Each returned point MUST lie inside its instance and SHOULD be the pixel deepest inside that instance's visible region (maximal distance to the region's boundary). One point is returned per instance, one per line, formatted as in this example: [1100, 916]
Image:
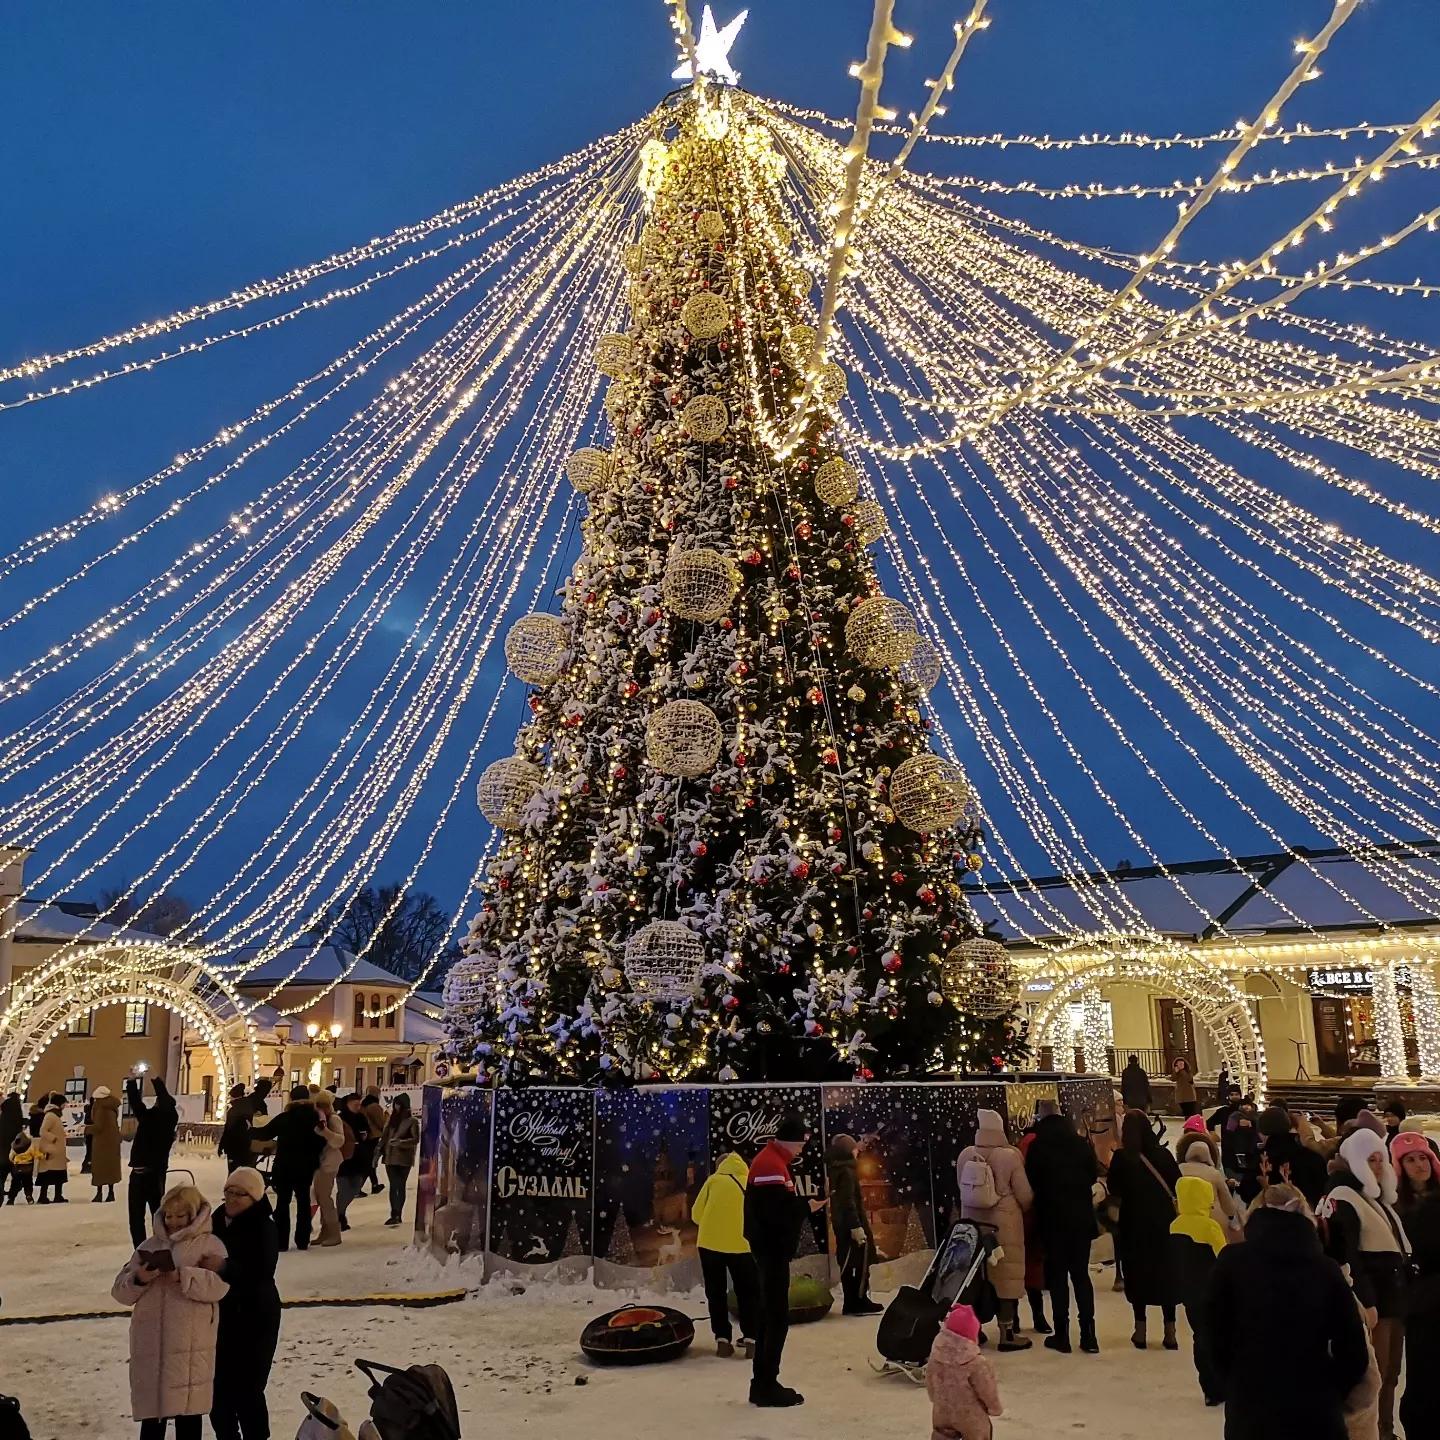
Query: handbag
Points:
[1162, 1183]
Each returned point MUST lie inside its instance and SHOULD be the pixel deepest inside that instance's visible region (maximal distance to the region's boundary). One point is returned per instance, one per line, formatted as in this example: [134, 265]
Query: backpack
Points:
[977, 1185]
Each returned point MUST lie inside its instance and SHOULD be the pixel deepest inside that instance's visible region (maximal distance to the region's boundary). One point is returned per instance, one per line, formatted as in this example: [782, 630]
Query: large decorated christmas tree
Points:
[728, 846]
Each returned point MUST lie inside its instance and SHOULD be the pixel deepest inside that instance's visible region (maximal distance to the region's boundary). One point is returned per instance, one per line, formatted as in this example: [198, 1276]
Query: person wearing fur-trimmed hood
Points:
[1365, 1234]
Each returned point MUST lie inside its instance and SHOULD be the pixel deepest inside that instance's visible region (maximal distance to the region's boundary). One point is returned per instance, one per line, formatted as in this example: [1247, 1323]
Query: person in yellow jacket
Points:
[725, 1257]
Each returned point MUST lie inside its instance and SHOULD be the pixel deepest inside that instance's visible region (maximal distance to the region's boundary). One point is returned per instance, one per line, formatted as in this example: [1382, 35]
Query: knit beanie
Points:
[1194, 1125]
[1411, 1142]
[252, 1182]
[1369, 1120]
[963, 1321]
[792, 1128]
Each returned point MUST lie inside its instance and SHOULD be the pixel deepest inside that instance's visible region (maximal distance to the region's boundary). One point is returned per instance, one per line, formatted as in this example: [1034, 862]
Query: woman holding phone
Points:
[172, 1282]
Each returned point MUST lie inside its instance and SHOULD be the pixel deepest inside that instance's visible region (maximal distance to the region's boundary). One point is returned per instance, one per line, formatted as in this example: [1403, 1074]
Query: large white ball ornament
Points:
[663, 961]
[588, 469]
[683, 738]
[506, 788]
[928, 793]
[537, 647]
[880, 633]
[978, 978]
[832, 384]
[470, 983]
[699, 584]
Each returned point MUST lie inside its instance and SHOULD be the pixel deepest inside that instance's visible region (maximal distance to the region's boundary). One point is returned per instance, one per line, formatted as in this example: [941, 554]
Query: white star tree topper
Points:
[712, 50]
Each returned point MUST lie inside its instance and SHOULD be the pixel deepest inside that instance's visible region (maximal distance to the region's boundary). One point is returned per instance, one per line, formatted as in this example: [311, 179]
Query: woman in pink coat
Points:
[959, 1380]
[173, 1285]
[994, 1191]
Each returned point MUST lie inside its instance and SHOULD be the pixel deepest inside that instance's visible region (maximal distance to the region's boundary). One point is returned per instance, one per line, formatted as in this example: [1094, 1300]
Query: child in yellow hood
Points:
[725, 1258]
[1195, 1240]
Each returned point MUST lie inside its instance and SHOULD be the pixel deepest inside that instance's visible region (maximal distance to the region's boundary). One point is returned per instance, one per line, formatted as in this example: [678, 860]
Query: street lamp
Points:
[326, 1039]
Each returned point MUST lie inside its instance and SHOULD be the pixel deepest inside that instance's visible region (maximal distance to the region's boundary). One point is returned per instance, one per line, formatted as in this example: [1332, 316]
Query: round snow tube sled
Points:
[637, 1335]
[810, 1299]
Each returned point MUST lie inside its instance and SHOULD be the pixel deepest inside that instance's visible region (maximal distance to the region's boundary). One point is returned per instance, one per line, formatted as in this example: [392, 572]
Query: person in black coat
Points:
[155, 1127]
[235, 1137]
[297, 1156]
[1287, 1340]
[1062, 1170]
[1418, 1205]
[357, 1155]
[1284, 1160]
[250, 1311]
[1135, 1085]
[12, 1122]
[1142, 1179]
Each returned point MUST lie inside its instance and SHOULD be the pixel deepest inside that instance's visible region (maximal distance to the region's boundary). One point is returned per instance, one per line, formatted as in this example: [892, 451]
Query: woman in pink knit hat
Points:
[960, 1381]
[1418, 1203]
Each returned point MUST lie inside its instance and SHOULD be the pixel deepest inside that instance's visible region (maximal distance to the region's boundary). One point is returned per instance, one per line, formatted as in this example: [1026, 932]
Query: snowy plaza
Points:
[746, 724]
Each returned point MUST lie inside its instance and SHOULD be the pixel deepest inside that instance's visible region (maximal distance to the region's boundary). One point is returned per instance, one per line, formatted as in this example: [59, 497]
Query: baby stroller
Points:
[956, 1275]
[417, 1403]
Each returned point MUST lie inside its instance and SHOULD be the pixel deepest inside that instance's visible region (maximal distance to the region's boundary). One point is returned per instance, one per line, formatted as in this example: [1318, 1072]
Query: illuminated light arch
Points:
[45, 1004]
[1218, 1004]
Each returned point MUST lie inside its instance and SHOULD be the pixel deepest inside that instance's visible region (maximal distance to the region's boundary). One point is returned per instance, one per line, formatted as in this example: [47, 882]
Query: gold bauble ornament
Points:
[922, 669]
[699, 584]
[589, 469]
[832, 384]
[880, 633]
[506, 788]
[802, 337]
[683, 738]
[871, 523]
[705, 315]
[537, 647]
[470, 984]
[836, 482]
[979, 979]
[710, 225]
[615, 355]
[928, 793]
[705, 418]
[633, 258]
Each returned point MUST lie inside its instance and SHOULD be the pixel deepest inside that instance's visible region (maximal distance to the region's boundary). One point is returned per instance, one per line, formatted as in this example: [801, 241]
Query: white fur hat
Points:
[1356, 1150]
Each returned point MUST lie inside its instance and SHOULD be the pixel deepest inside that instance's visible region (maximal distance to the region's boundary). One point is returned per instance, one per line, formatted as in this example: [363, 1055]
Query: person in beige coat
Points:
[1199, 1157]
[174, 1317]
[104, 1142]
[994, 1190]
[52, 1168]
[323, 1188]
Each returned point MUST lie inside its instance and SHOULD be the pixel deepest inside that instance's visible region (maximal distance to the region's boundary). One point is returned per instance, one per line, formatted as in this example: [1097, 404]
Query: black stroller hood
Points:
[417, 1403]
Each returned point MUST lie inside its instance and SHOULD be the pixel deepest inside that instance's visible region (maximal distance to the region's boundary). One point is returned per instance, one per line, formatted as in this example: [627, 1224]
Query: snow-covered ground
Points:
[515, 1359]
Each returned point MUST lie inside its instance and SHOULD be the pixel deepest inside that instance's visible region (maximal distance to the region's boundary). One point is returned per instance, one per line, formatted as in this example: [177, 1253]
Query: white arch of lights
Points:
[44, 1005]
[1218, 1004]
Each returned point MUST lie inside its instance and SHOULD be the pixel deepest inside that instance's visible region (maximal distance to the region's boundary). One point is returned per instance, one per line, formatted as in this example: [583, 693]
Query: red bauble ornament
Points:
[727, 623]
[752, 557]
[699, 847]
[620, 772]
[926, 895]
[800, 869]
[838, 868]
[660, 817]
[732, 1002]
[891, 962]
[742, 759]
[836, 833]
[504, 882]
[829, 757]
[897, 877]
[631, 689]
[804, 530]
[731, 483]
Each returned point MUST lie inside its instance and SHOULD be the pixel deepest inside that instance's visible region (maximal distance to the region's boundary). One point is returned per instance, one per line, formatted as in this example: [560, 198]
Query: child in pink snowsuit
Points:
[960, 1382]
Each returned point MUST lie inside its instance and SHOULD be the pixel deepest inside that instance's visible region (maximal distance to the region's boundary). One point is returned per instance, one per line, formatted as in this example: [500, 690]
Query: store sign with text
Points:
[1349, 979]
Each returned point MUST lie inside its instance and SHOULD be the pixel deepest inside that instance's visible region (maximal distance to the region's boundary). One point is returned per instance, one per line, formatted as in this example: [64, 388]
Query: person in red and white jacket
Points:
[774, 1213]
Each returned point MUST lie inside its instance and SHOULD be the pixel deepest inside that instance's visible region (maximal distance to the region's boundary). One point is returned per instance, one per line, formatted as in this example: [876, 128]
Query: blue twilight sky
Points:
[163, 153]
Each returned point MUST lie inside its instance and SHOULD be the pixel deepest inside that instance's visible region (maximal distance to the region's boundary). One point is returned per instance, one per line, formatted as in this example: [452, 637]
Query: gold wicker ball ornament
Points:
[880, 633]
[683, 738]
[699, 584]
[802, 337]
[710, 225]
[928, 793]
[978, 978]
[615, 355]
[922, 669]
[836, 482]
[506, 788]
[663, 961]
[705, 418]
[870, 522]
[833, 384]
[537, 647]
[588, 469]
[705, 315]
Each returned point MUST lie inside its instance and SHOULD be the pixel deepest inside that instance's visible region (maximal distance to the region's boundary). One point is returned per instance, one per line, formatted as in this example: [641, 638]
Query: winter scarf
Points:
[1194, 1198]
